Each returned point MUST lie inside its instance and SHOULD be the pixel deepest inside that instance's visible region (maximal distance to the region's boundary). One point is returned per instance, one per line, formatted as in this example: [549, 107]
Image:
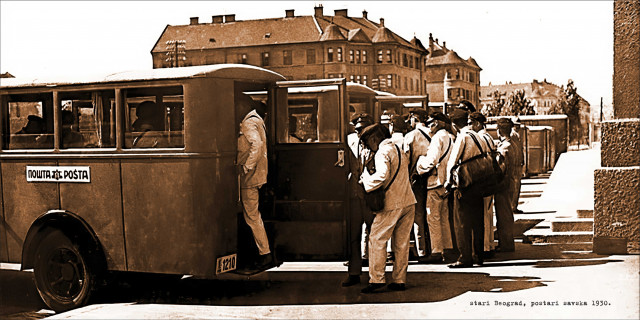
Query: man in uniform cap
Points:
[416, 143]
[468, 208]
[504, 209]
[395, 219]
[358, 213]
[477, 121]
[433, 167]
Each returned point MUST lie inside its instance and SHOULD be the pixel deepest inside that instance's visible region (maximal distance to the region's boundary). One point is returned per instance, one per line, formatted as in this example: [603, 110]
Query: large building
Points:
[449, 78]
[310, 47]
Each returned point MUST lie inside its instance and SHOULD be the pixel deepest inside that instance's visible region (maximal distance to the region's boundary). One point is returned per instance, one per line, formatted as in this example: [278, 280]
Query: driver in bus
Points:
[253, 163]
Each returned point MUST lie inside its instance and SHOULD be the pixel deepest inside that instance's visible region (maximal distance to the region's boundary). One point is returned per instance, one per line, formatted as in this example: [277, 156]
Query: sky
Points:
[515, 41]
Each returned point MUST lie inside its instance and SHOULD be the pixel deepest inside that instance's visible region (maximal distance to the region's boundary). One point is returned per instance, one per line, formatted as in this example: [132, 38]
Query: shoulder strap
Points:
[488, 142]
[425, 135]
[476, 141]
[446, 152]
[398, 169]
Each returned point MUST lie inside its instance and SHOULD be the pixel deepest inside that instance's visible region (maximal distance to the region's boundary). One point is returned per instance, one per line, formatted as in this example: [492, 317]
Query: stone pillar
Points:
[617, 183]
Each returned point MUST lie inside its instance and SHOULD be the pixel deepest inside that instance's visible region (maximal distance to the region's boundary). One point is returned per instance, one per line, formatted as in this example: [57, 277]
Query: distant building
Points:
[307, 47]
[449, 78]
[6, 75]
[544, 96]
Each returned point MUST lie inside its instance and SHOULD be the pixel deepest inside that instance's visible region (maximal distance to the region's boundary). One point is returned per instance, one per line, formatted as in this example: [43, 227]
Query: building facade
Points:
[305, 47]
[449, 78]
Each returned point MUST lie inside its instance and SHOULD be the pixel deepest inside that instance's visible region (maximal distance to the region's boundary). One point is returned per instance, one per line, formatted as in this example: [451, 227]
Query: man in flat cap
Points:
[503, 199]
[359, 213]
[416, 143]
[477, 121]
[433, 165]
[394, 221]
[468, 213]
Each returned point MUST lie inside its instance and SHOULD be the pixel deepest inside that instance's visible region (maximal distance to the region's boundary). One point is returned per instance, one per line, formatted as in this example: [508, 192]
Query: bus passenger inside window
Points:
[71, 138]
[149, 118]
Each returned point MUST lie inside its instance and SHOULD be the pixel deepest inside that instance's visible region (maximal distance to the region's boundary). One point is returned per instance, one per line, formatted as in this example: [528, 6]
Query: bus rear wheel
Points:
[64, 278]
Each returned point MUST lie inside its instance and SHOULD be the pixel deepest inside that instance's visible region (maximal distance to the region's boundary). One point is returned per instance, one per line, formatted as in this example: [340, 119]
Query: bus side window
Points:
[30, 121]
[154, 117]
[87, 119]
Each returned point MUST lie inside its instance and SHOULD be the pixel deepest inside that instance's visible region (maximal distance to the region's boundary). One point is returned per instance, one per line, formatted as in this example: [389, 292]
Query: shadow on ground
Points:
[291, 288]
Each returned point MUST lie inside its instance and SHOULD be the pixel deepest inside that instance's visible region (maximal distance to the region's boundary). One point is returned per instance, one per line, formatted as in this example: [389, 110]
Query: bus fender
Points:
[71, 225]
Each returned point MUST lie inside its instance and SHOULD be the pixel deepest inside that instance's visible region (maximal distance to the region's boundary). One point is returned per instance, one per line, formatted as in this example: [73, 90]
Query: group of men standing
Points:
[414, 169]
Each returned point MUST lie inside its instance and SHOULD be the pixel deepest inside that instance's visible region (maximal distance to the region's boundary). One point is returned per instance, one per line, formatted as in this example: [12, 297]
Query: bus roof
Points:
[232, 71]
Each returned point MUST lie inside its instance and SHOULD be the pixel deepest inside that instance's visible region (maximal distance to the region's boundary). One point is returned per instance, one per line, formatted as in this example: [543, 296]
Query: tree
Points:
[495, 107]
[569, 105]
[518, 104]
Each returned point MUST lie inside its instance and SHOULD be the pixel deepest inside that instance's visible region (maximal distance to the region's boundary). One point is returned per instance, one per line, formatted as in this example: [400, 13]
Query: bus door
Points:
[309, 170]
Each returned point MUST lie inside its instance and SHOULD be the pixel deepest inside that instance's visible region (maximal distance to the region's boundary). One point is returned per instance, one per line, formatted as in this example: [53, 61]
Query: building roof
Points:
[332, 32]
[450, 57]
[294, 29]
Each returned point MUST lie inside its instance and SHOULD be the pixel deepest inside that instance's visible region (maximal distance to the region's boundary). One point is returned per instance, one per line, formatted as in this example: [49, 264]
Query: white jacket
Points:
[399, 194]
[440, 148]
[252, 151]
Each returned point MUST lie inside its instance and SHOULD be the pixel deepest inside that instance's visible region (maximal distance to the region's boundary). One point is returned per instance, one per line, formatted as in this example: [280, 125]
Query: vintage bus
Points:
[86, 192]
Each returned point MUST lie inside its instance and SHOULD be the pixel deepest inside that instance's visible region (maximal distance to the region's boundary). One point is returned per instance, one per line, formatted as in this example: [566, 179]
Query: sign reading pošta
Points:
[58, 174]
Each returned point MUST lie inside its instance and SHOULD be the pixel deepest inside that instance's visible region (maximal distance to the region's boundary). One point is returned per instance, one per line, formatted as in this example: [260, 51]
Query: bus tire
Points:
[64, 277]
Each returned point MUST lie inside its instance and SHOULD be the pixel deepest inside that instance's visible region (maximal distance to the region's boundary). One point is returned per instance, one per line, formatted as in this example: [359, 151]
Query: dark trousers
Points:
[515, 197]
[504, 218]
[469, 226]
[359, 213]
[423, 241]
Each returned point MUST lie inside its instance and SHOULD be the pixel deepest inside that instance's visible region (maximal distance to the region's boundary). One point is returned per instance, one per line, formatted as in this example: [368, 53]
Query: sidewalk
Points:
[535, 282]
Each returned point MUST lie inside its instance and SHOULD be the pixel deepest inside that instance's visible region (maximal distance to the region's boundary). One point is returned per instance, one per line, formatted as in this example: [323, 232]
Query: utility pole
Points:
[176, 52]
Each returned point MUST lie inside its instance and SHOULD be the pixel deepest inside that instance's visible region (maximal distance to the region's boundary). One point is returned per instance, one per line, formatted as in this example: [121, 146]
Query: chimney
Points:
[229, 18]
[216, 19]
[193, 20]
[341, 12]
[318, 11]
[381, 22]
[444, 44]
[364, 14]
[289, 13]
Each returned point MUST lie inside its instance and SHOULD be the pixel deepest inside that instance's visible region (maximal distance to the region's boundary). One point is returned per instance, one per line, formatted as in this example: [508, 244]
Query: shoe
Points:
[458, 264]
[365, 262]
[351, 280]
[500, 249]
[433, 258]
[478, 261]
[265, 262]
[396, 286]
[372, 287]
[488, 254]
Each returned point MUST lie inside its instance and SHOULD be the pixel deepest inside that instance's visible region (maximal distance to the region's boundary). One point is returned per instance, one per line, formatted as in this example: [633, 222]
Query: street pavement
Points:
[534, 282]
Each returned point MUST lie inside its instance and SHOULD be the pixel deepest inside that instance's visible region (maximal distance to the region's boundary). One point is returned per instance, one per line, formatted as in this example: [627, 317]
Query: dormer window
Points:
[267, 35]
[212, 40]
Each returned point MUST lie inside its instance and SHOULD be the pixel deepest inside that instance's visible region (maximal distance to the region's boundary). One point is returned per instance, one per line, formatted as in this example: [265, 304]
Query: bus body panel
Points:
[99, 203]
[212, 125]
[158, 215]
[24, 202]
[215, 211]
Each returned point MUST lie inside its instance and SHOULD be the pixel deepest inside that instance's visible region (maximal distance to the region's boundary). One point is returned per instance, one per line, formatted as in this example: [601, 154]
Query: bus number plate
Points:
[226, 263]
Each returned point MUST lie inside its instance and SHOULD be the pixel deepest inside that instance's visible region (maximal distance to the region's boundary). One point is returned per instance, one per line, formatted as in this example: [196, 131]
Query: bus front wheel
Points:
[64, 278]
